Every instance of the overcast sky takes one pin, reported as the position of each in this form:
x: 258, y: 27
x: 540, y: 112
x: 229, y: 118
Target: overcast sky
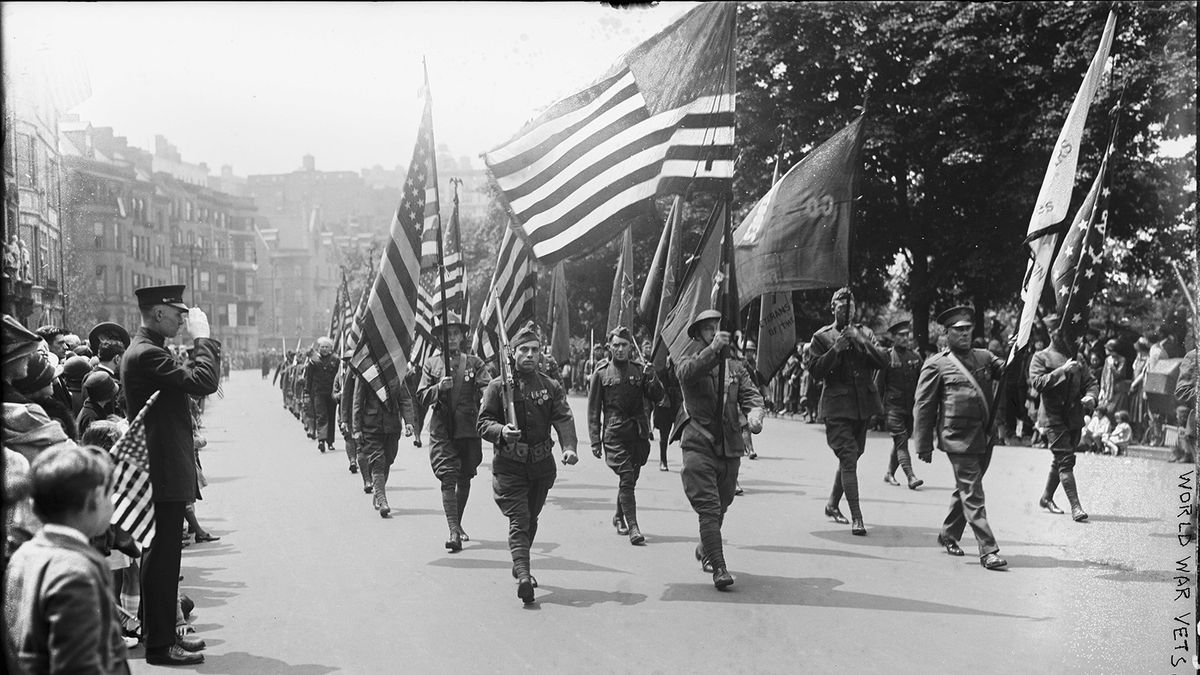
x: 257, y: 86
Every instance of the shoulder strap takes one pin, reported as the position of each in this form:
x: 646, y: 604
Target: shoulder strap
x: 974, y: 383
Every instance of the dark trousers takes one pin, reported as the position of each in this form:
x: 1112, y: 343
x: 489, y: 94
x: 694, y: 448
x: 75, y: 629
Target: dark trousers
x: 900, y: 426
x: 324, y: 416
x: 520, y: 491
x: 454, y: 462
x: 160, y: 576
x: 848, y: 439
x: 1062, y: 443
x: 380, y: 450
x: 967, y: 502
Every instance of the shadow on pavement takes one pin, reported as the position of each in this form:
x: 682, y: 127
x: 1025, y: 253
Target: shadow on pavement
x: 538, y: 563
x: 811, y: 592
x: 1113, y: 571
x: 241, y: 662
x: 1103, y: 518
x: 900, y: 536
x: 801, y: 550
x: 582, y: 597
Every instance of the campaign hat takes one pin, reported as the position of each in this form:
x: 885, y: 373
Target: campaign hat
x: 452, y: 319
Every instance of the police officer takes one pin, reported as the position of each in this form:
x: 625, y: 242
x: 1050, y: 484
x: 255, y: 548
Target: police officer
x: 454, y: 446
x: 1066, y: 387
x: 522, y: 464
x: 846, y: 357
x: 899, y: 390
x: 619, y: 425
x: 377, y: 426
x: 319, y: 372
x: 148, y: 367
x: 709, y: 429
x: 954, y: 398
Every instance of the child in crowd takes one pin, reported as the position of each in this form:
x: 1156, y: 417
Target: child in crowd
x: 99, y: 400
x: 1095, y: 430
x: 59, y: 614
x: 1117, y: 441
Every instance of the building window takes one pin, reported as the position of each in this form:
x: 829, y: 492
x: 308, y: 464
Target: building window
x: 27, y: 174
x: 135, y: 247
x: 175, y: 274
x: 249, y: 286
x: 116, y: 229
x: 120, y: 275
x: 222, y: 283
x: 98, y: 231
x: 158, y: 259
x: 102, y: 279
x: 205, y: 279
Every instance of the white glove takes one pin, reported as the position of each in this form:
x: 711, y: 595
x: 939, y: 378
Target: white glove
x: 197, y: 323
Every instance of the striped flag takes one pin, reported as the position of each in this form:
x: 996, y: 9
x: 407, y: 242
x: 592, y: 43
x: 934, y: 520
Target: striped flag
x: 388, y: 328
x: 456, y: 288
x: 513, y: 284
x: 661, y: 122
x: 425, y: 321
x: 133, y: 501
x: 343, y: 317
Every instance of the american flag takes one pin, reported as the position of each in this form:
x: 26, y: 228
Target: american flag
x: 133, y: 501
x: 513, y: 283
x: 456, y: 290
x: 353, y: 328
x: 660, y: 122
x: 337, y: 320
x: 1076, y: 272
x: 388, y: 328
x: 425, y: 321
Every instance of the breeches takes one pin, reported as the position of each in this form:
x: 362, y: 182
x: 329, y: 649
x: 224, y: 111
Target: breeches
x: 380, y: 450
x: 626, y: 455
x: 455, y: 459
x: 521, y: 497
x: 709, y: 482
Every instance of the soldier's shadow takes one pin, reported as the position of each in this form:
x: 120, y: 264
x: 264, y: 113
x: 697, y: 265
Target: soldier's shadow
x: 585, y: 597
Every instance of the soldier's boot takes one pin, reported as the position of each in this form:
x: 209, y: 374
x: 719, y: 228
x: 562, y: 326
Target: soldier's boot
x: 364, y: 470
x: 379, y: 490
x: 524, y: 578
x: 1047, y: 500
x: 627, y: 504
x: 713, y: 551
x: 1067, y: 478
x: 462, y: 493
x: 450, y: 506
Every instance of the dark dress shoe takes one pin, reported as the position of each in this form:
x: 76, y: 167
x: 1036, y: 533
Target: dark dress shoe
x: 206, y: 537
x: 1077, y: 514
x: 321, y: 446
x: 722, y: 579
x: 914, y: 483
x: 662, y: 466
x: 619, y: 523
x: 1049, y: 505
x: 992, y: 561
x: 173, y: 656
x: 836, y: 514
x: 190, y: 643
x: 635, y: 535
x: 525, y: 589
x: 705, y: 563
x: 416, y: 442
x: 890, y: 479
x: 950, y: 545
x: 454, y: 543
x: 353, y: 468
x: 858, y: 529
x: 737, y: 490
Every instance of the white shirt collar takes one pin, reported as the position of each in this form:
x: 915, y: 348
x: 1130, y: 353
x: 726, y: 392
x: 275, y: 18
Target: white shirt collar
x: 65, y: 531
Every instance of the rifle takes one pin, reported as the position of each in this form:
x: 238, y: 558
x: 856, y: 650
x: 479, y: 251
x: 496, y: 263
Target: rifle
x: 506, y: 377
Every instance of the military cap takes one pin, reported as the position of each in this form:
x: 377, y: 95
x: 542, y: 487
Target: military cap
x: 621, y: 332
x: 40, y: 374
x: 963, y: 315
x: 1051, y: 322
x: 843, y: 293
x: 900, y: 326
x: 171, y: 295
x: 107, y: 331
x: 99, y: 386
x: 18, y: 340
x: 452, y: 319
x: 706, y: 315
x: 527, y: 333
x: 75, y: 368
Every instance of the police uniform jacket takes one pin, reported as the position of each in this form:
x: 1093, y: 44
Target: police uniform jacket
x: 617, y: 395
x: 370, y: 415
x: 900, y: 380
x: 470, y: 377
x: 148, y: 367
x: 1061, y: 393
x: 849, y: 376
x: 319, y: 374
x: 948, y: 402
x: 698, y: 426
x: 540, y: 404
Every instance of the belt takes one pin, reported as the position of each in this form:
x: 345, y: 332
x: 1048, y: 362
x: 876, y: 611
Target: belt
x: 526, y: 452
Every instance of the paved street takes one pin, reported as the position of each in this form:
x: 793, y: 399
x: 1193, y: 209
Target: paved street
x: 307, y: 579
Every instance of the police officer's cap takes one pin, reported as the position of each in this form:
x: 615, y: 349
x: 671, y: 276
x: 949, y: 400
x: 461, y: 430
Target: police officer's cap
x: 452, y: 319
x: 957, y: 317
x: 528, y: 333
x: 107, y: 331
x: 1051, y: 322
x: 622, y: 333
x: 707, y: 315
x: 900, y: 327
x: 171, y: 295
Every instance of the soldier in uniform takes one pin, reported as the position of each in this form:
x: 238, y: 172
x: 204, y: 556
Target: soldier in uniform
x: 455, y: 450
x: 619, y: 425
x: 709, y: 429
x: 846, y: 357
x: 899, y: 390
x: 1066, y: 387
x: 523, y: 467
x: 954, y: 398
x: 377, y: 426
x: 319, y: 372
x: 343, y: 397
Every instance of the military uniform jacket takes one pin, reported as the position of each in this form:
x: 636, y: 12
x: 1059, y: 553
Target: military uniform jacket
x: 346, y: 400
x: 319, y: 374
x: 900, y: 380
x: 540, y: 404
x: 148, y: 367
x: 1061, y: 393
x: 370, y: 415
x: 470, y: 377
x: 698, y: 425
x: 946, y: 400
x: 617, y: 395
x: 850, y: 391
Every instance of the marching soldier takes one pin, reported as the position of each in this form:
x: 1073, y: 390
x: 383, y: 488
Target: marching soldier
x: 619, y: 424
x: 1066, y: 387
x: 319, y: 372
x: 343, y: 396
x: 523, y: 467
x: 454, y: 445
x: 899, y: 391
x: 846, y: 357
x: 954, y: 399
x: 709, y: 429
x: 377, y: 426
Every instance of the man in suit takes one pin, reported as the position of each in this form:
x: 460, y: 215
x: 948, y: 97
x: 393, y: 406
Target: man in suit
x: 148, y: 367
x: 844, y: 355
x: 953, y: 399
x: 899, y: 390
x: 455, y: 450
x: 709, y: 430
x: 319, y: 372
x: 1066, y: 387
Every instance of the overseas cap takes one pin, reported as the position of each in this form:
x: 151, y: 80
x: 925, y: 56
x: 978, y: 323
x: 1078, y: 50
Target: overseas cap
x: 528, y: 333
x: 620, y: 332
x: 161, y: 295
